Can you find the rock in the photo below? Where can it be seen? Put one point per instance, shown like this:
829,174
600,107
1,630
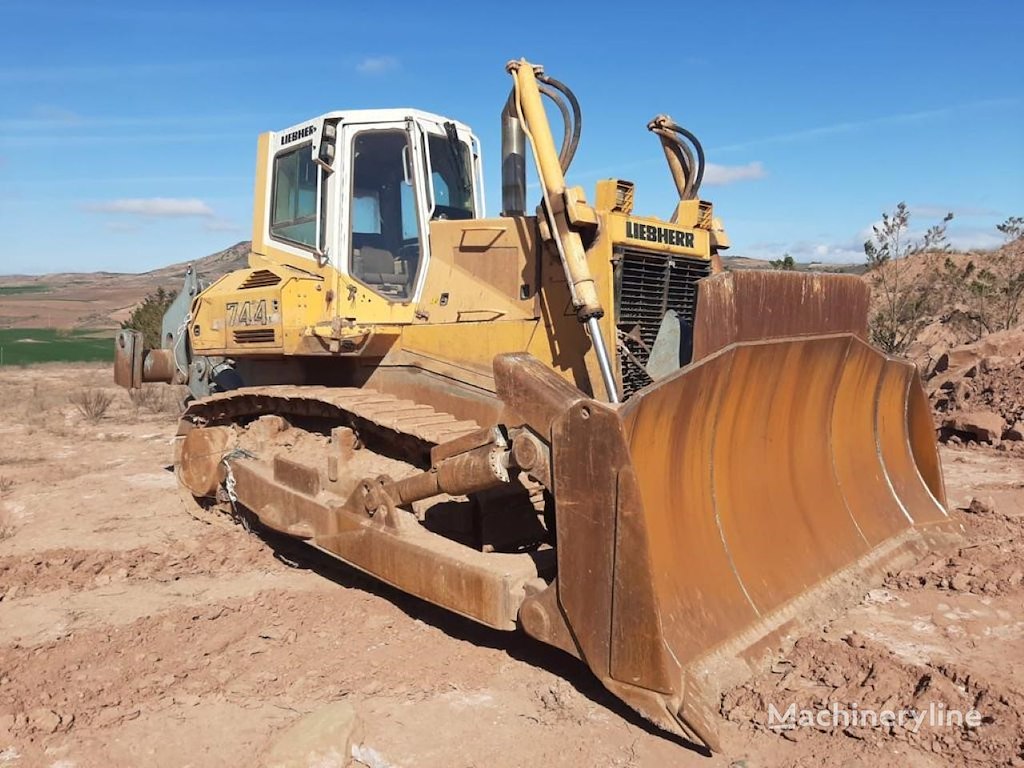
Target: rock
6,727
44,720
1015,433
979,507
961,582
985,426
322,739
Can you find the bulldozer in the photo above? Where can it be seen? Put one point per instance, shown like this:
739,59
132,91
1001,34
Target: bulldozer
571,422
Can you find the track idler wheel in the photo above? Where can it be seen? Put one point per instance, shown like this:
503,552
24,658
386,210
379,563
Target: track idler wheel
201,466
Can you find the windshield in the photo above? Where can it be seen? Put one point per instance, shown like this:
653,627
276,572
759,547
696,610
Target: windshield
452,174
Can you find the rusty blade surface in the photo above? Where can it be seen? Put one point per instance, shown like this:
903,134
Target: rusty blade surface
777,479
758,305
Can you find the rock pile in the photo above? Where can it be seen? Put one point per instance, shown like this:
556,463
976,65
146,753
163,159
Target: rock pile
977,390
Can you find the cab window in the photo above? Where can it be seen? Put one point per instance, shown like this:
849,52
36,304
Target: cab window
293,211
452,176
385,243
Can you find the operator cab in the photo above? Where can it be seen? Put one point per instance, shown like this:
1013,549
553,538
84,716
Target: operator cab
358,190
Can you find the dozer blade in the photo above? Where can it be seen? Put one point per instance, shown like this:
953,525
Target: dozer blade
721,509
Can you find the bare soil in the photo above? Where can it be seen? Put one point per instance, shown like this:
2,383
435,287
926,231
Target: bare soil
137,631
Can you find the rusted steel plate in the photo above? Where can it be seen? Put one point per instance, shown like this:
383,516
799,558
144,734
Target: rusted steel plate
393,547
776,480
671,438
858,465
894,442
922,441
755,305
128,359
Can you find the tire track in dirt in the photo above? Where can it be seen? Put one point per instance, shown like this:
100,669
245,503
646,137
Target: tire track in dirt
218,552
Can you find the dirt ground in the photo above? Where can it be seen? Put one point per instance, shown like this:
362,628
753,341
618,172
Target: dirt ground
133,633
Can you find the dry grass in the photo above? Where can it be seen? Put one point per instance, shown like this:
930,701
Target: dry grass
91,403
5,484
154,398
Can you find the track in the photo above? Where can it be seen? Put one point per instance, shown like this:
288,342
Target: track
420,425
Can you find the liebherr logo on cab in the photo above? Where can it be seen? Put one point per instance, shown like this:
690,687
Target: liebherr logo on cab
653,234
247,312
301,133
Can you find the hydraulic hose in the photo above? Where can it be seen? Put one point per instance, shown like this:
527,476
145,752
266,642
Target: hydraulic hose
569,151
686,168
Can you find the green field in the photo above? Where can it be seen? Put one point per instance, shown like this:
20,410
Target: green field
24,346
14,290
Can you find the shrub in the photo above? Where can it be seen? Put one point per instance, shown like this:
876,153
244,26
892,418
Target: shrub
157,398
907,297
1012,229
785,263
148,316
92,403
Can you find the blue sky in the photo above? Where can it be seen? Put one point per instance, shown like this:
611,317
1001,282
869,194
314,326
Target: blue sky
128,130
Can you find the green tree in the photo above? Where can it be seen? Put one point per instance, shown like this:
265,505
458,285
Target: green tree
785,263
906,297
149,314
986,298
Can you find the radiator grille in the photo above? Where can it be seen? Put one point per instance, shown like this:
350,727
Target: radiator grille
255,336
647,284
261,278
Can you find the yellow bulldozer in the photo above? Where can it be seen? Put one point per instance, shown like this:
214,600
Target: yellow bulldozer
571,422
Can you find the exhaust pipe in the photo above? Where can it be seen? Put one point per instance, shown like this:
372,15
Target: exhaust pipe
513,161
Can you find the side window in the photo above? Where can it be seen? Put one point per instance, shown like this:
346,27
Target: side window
383,215
293,208
441,194
453,178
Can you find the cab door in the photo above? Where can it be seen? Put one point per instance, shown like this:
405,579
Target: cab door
383,243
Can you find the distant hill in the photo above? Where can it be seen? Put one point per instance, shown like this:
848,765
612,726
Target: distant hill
745,262
105,299
99,299
209,267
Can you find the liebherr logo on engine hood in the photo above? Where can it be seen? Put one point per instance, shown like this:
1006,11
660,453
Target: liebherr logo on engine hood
652,234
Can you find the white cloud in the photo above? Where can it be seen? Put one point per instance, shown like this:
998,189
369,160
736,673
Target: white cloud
958,211
720,175
807,251
220,225
975,239
860,125
377,65
153,207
